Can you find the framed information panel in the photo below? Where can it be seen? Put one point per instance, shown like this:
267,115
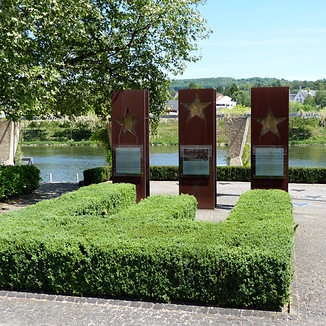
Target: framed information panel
196,160
127,161
269,161
270,138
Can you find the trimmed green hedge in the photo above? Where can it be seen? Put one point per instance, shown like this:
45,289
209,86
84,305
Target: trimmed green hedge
154,250
307,175
164,173
240,173
18,180
97,175
224,173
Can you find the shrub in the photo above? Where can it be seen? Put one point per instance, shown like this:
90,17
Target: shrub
307,175
241,173
164,173
97,175
18,180
154,250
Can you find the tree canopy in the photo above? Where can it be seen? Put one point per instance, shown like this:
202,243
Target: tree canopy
64,57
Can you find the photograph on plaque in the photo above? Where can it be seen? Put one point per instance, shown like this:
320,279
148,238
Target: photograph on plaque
269,162
196,160
128,160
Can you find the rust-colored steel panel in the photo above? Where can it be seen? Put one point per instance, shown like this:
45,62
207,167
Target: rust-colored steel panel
130,139
269,138
197,145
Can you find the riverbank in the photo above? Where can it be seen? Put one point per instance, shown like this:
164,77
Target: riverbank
302,132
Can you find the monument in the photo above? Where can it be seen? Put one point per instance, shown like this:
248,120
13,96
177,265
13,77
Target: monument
197,145
130,139
269,138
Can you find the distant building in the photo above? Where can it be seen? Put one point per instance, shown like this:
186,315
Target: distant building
224,101
301,95
172,106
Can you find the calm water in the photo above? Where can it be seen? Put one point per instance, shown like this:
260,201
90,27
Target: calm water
65,163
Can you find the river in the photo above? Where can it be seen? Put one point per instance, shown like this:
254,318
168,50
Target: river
67,163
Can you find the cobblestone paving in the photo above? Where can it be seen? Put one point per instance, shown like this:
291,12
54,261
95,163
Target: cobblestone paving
308,301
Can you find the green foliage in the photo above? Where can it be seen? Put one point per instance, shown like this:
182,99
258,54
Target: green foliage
74,131
307,175
237,110
322,117
242,174
306,131
97,175
65,57
242,97
320,98
101,136
233,173
17,180
154,250
166,133
224,83
164,173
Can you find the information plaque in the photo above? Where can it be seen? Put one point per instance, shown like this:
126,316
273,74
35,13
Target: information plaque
196,160
269,162
197,145
270,138
127,161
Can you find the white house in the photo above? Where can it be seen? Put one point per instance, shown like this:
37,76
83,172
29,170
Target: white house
224,102
302,94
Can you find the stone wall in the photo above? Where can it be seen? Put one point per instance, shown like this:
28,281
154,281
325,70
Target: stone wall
9,137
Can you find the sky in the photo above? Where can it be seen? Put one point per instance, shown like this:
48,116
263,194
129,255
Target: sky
263,38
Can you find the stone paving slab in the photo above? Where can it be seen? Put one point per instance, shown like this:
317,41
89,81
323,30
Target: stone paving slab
308,300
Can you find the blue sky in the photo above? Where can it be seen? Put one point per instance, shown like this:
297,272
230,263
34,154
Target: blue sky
263,38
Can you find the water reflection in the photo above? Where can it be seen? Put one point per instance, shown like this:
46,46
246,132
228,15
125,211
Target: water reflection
64,163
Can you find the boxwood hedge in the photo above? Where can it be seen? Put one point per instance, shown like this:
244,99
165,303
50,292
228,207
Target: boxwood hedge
18,180
240,173
154,250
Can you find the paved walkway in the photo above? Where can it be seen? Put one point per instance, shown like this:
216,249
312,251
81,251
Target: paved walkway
308,300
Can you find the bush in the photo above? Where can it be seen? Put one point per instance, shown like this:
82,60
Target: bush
154,250
307,175
97,175
164,173
241,173
18,180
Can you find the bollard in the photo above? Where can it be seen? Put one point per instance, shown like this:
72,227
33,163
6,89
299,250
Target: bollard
50,177
77,178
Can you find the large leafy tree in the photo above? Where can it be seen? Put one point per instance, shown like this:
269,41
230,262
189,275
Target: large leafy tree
66,56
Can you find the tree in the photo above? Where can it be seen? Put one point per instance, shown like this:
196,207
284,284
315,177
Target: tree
309,100
232,90
193,85
320,99
242,98
66,56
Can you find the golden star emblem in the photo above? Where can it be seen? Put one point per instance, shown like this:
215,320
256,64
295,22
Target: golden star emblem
270,123
128,123
196,108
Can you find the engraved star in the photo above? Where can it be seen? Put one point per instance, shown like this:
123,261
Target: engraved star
196,108
128,123
270,123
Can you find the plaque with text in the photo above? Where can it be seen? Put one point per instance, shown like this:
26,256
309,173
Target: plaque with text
128,161
269,162
269,138
197,145
196,160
